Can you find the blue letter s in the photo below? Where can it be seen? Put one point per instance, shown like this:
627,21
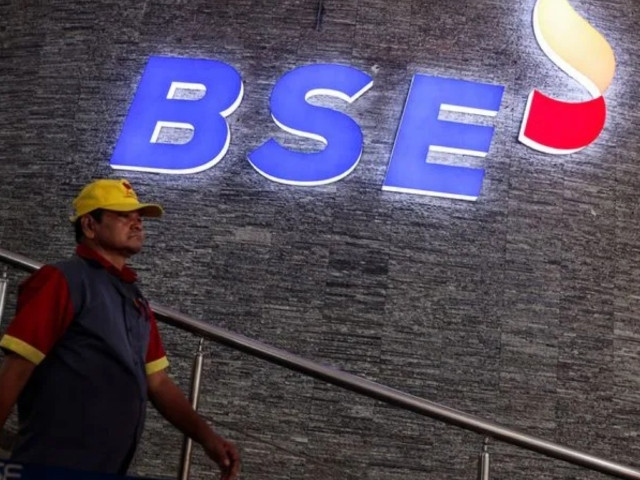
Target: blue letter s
290,110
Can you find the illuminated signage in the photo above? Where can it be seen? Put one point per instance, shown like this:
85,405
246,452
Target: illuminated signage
421,132
155,106
549,125
554,126
290,110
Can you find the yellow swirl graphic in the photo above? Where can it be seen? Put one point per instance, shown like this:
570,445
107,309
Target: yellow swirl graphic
574,45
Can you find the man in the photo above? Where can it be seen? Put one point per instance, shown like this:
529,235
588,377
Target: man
84,353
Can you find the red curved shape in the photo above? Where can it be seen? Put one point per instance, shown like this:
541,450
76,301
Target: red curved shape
553,126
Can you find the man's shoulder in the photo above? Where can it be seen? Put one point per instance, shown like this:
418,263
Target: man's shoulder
75,270
47,274
70,270
73,264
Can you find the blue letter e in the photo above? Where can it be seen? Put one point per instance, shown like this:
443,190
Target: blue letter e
156,106
421,131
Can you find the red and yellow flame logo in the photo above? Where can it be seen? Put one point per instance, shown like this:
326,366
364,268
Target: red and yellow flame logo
558,127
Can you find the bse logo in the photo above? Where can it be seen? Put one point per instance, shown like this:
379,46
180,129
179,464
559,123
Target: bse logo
553,126
549,125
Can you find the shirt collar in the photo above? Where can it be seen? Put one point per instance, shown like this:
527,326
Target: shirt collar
127,274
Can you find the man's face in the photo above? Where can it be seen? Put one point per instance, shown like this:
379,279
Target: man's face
118,232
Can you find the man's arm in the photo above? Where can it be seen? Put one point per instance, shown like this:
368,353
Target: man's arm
174,406
14,374
44,312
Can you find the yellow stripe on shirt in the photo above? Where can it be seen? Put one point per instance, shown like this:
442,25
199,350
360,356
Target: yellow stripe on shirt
156,365
22,348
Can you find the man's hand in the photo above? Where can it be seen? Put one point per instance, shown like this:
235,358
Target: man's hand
174,406
225,454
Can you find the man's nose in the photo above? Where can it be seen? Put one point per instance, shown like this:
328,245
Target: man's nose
136,220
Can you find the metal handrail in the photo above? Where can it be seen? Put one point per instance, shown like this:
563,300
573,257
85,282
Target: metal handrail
3,291
371,389
194,397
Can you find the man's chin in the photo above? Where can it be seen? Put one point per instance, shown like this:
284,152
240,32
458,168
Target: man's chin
133,248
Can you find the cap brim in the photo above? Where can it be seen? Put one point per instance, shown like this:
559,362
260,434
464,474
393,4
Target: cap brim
146,209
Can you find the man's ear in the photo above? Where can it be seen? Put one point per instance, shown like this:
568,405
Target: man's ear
88,224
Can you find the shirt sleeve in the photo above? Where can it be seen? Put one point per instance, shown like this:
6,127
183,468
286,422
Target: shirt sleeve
44,312
156,359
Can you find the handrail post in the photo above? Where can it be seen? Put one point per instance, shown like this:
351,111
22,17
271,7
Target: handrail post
187,444
484,461
4,281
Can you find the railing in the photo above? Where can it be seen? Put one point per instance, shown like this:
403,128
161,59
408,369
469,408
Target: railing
369,389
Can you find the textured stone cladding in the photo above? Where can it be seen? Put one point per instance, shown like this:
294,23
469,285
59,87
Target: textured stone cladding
522,307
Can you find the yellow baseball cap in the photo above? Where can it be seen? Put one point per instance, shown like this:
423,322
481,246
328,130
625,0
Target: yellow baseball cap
116,195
